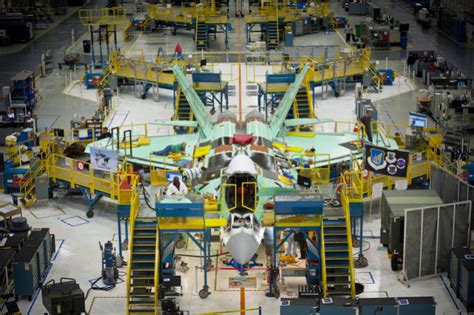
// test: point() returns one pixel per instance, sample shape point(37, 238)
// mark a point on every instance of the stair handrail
point(27, 186)
point(178, 96)
point(134, 210)
point(309, 95)
point(157, 267)
point(345, 203)
point(323, 262)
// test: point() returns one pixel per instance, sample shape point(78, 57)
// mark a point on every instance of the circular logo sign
point(392, 169)
point(401, 163)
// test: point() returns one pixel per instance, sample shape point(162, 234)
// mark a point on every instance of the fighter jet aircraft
point(245, 162)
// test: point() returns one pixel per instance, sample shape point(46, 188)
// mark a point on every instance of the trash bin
point(404, 41)
point(86, 45)
point(357, 30)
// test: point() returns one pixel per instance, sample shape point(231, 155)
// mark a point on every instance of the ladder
point(142, 289)
point(27, 187)
point(337, 264)
point(202, 33)
point(272, 37)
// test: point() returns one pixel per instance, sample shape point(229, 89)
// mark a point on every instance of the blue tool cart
point(379, 306)
point(338, 306)
point(297, 306)
point(417, 305)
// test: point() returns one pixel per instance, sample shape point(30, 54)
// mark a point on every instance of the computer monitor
point(418, 120)
point(171, 175)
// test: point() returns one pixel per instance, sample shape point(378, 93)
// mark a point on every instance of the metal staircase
point(272, 37)
point(375, 80)
point(197, 107)
point(202, 35)
point(302, 106)
point(337, 261)
point(142, 295)
point(182, 109)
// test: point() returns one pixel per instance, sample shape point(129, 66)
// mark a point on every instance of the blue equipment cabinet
point(417, 305)
point(466, 284)
point(338, 306)
point(379, 306)
point(32, 262)
point(298, 306)
point(12, 179)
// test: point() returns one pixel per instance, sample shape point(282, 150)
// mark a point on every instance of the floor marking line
point(84, 221)
point(450, 295)
point(112, 119)
point(59, 248)
point(57, 118)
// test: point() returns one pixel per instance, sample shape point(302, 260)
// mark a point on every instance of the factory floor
point(77, 237)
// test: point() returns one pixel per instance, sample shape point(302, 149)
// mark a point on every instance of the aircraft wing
point(177, 123)
point(305, 121)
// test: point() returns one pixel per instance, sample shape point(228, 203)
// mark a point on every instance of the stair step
point(141, 294)
point(142, 311)
point(142, 268)
point(335, 233)
point(337, 266)
point(335, 241)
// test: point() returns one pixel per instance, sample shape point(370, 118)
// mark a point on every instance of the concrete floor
point(78, 254)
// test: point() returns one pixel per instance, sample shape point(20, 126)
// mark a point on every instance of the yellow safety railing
point(80, 173)
point(158, 175)
point(323, 262)
point(318, 174)
point(206, 12)
point(157, 270)
point(345, 202)
point(128, 32)
point(103, 16)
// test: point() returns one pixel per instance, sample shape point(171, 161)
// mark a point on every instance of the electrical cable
point(200, 256)
point(363, 250)
point(146, 196)
point(94, 287)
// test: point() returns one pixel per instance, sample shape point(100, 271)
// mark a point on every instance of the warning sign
point(242, 282)
point(81, 166)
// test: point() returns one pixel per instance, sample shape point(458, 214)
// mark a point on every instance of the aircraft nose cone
point(242, 246)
